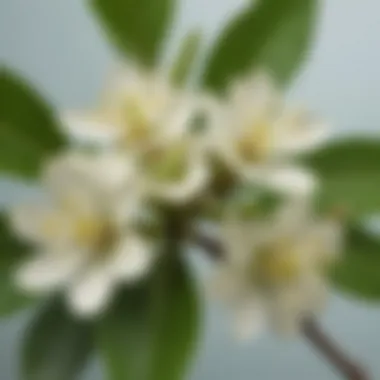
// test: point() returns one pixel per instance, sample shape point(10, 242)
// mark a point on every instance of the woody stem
point(329, 349)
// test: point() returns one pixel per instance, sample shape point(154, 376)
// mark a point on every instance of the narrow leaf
point(358, 273)
point(29, 132)
point(12, 251)
point(185, 61)
point(349, 172)
point(56, 346)
point(137, 27)
point(270, 34)
point(150, 335)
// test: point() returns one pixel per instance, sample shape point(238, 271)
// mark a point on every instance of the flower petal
point(41, 225)
point(132, 259)
point(106, 171)
point(297, 134)
point(249, 319)
point(83, 182)
point(289, 180)
point(186, 189)
point(178, 120)
point(91, 293)
point(315, 293)
point(329, 241)
point(90, 128)
point(286, 311)
point(255, 96)
point(27, 221)
point(48, 271)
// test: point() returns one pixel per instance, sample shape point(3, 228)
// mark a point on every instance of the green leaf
point(150, 334)
point(56, 346)
point(358, 273)
point(185, 61)
point(29, 132)
point(12, 251)
point(349, 171)
point(271, 34)
point(137, 27)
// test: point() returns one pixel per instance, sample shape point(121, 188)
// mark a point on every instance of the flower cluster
point(150, 148)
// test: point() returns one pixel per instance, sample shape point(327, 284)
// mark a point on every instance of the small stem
point(329, 349)
point(211, 247)
point(310, 329)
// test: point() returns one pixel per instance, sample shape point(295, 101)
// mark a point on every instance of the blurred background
point(60, 48)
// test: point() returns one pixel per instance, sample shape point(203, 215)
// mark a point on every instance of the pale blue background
point(59, 47)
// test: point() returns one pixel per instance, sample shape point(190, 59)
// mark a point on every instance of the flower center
point(253, 145)
point(166, 164)
point(95, 233)
point(277, 265)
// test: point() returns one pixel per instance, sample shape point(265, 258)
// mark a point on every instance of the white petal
point(49, 271)
point(92, 292)
point(64, 174)
point(329, 237)
point(106, 171)
point(90, 128)
point(315, 294)
point(70, 178)
point(240, 240)
point(92, 186)
point(180, 115)
point(132, 259)
point(187, 189)
point(249, 319)
point(114, 170)
point(298, 132)
point(286, 311)
point(42, 225)
point(292, 304)
point(292, 217)
point(290, 181)
point(256, 95)
point(28, 222)
point(123, 78)
point(127, 207)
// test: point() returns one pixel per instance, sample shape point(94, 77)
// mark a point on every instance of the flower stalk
point(343, 364)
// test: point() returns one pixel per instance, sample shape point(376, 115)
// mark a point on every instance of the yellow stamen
point(277, 265)
point(254, 143)
point(167, 164)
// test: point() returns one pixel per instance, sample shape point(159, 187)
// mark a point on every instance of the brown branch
point(330, 350)
point(310, 329)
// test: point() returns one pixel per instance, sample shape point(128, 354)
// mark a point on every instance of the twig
point(329, 349)
point(310, 329)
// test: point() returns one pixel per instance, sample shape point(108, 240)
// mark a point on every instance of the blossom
point(274, 272)
point(149, 122)
point(137, 110)
point(258, 137)
point(85, 238)
point(175, 172)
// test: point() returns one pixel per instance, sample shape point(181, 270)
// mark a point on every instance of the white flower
point(84, 238)
point(257, 136)
point(274, 271)
point(138, 110)
point(175, 173)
